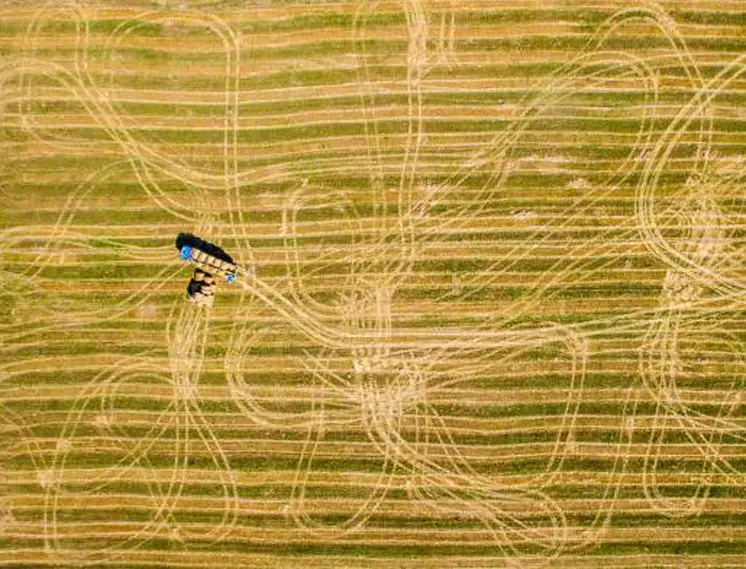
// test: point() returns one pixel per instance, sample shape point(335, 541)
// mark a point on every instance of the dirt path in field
point(362, 367)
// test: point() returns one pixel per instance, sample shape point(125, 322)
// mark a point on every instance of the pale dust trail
point(187, 343)
point(660, 364)
point(303, 322)
point(187, 340)
point(390, 370)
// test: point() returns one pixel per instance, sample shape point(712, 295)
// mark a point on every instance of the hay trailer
point(209, 260)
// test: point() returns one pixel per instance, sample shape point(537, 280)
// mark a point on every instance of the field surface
point(491, 310)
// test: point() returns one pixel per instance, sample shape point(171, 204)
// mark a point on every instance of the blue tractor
point(209, 260)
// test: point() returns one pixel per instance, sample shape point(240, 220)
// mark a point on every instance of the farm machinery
point(209, 261)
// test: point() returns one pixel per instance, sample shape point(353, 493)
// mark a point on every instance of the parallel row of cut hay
point(493, 310)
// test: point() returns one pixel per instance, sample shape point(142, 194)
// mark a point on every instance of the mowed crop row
point(490, 307)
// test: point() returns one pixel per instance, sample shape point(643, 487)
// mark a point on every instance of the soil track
point(491, 292)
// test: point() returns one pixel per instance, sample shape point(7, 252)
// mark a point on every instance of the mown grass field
point(492, 293)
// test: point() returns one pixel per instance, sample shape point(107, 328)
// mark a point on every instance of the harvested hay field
point(492, 302)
